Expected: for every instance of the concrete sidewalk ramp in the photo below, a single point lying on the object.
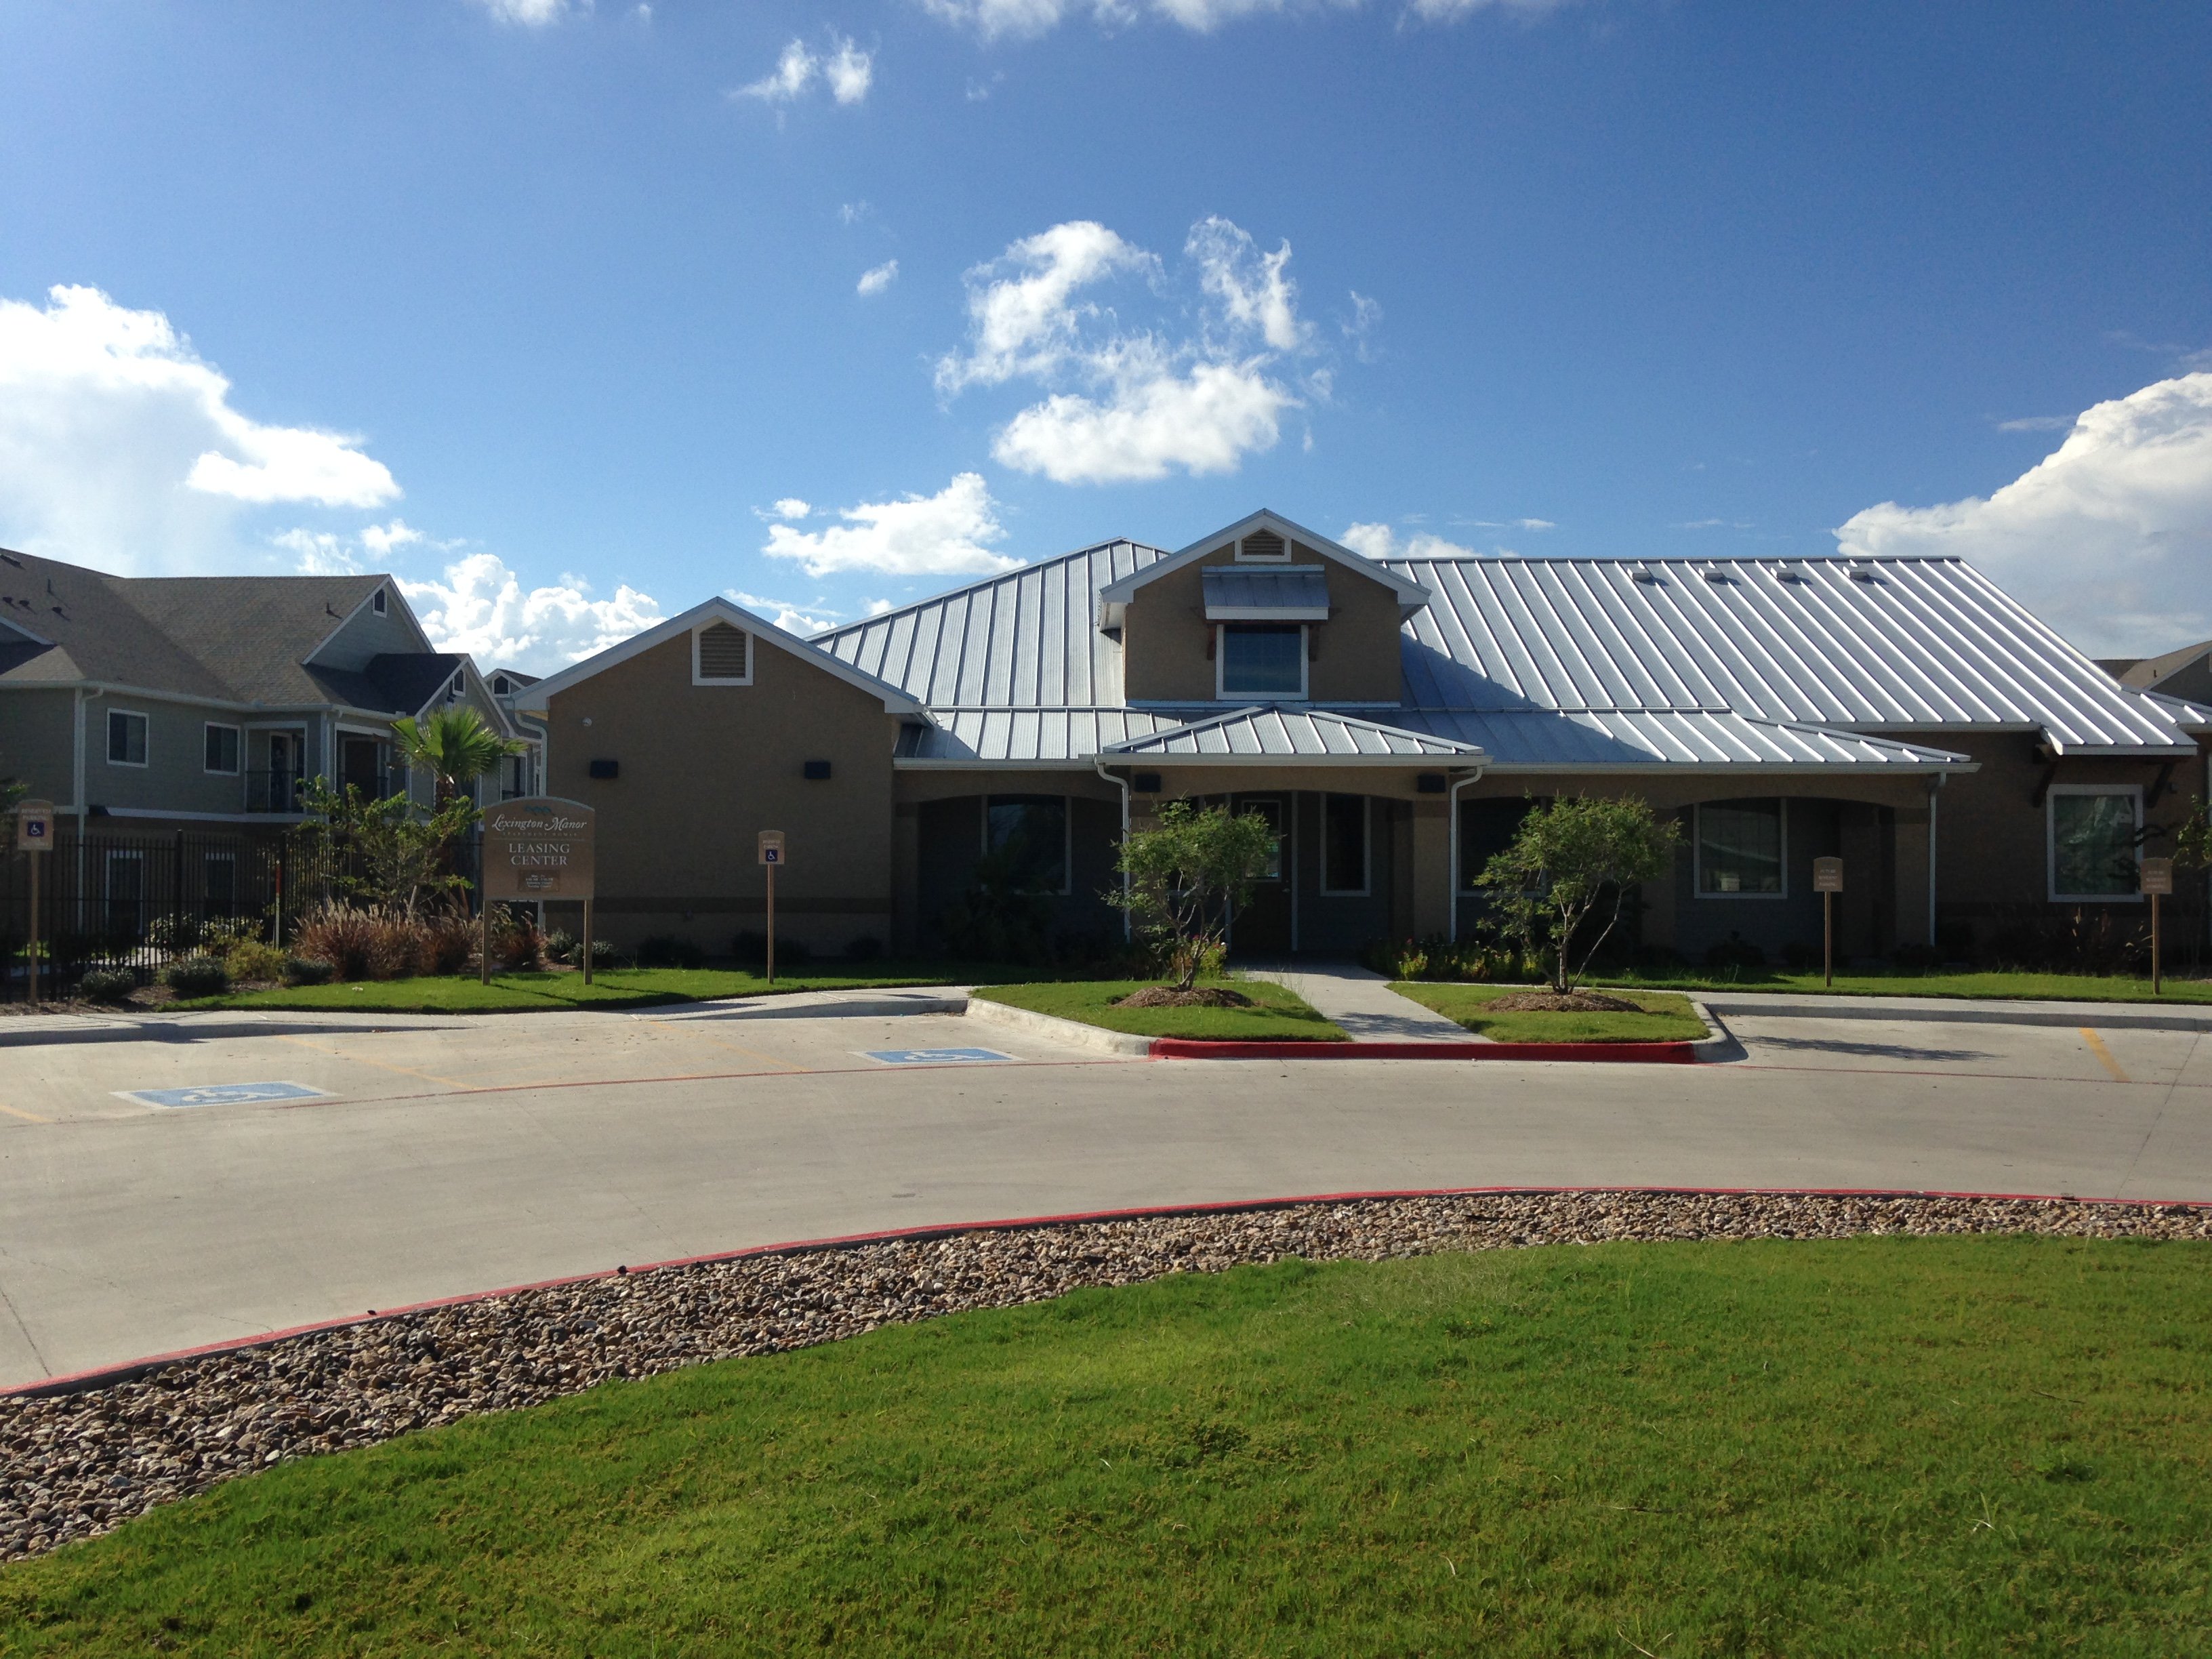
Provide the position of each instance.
(1361, 1002)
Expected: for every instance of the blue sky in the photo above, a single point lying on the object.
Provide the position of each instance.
(536, 304)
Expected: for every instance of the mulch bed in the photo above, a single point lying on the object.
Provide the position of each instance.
(1554, 1002)
(1198, 996)
(74, 1465)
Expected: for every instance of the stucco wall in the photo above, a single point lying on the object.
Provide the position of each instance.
(1351, 658)
(703, 769)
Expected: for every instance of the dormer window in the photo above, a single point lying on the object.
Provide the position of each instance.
(376, 602)
(1262, 547)
(1261, 659)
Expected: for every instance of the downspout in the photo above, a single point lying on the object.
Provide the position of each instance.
(1451, 806)
(1934, 790)
(1122, 784)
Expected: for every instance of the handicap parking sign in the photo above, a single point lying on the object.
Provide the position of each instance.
(221, 1094)
(934, 1056)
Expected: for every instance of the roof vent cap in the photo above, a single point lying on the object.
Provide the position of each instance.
(1872, 579)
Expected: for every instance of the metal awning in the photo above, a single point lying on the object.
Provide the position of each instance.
(1293, 594)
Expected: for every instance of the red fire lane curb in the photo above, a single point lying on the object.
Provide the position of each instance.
(101, 1377)
(1648, 1053)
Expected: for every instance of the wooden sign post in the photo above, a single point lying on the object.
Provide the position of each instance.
(2157, 884)
(540, 847)
(1828, 882)
(34, 835)
(771, 855)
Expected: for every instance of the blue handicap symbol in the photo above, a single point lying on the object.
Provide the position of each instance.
(934, 1056)
(221, 1094)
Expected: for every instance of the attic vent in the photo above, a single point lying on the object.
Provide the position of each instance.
(376, 604)
(1720, 579)
(1263, 545)
(1867, 576)
(721, 655)
(1794, 578)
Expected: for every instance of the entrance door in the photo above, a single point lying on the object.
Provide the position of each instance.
(1262, 927)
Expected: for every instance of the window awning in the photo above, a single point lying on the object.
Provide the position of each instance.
(1290, 593)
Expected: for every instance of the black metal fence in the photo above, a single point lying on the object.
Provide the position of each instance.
(140, 902)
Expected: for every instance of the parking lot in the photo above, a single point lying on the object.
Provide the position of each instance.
(148, 1202)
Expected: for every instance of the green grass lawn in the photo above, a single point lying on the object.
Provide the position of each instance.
(1881, 1446)
(611, 988)
(1281, 1016)
(2058, 987)
(1667, 1018)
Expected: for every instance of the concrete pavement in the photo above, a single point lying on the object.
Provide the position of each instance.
(456, 1155)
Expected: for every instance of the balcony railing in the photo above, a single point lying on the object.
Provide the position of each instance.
(273, 792)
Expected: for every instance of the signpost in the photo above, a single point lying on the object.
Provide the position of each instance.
(771, 855)
(1828, 882)
(540, 847)
(34, 835)
(2157, 884)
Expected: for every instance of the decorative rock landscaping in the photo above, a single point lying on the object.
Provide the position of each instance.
(76, 1465)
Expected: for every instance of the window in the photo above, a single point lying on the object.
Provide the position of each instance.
(1486, 828)
(1029, 833)
(1272, 812)
(1264, 547)
(1343, 844)
(514, 777)
(2094, 835)
(1262, 659)
(721, 655)
(126, 738)
(1739, 849)
(219, 884)
(222, 747)
(376, 602)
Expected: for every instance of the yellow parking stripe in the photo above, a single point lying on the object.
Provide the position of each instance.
(27, 1117)
(2097, 1047)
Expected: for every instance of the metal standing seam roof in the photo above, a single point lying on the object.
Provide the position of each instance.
(1567, 740)
(1269, 732)
(1295, 593)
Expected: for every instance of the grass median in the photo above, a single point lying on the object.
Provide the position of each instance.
(1278, 1014)
(1667, 1016)
(1885, 1445)
(611, 988)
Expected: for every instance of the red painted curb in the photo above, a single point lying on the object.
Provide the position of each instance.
(101, 1377)
(1649, 1054)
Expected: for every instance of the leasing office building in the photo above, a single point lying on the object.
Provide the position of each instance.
(1390, 719)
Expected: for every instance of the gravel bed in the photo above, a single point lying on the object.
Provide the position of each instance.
(74, 1465)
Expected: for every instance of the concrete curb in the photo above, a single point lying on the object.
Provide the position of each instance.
(106, 1375)
(1058, 1030)
(802, 1005)
(1718, 1045)
(176, 1031)
(2116, 1016)
(1617, 1054)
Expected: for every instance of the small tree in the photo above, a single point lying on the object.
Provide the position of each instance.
(1564, 861)
(455, 746)
(1188, 875)
(379, 853)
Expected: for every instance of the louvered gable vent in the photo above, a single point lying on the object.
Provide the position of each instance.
(725, 654)
(1262, 544)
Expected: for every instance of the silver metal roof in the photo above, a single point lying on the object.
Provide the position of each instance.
(1901, 644)
(1269, 732)
(1296, 593)
(1753, 662)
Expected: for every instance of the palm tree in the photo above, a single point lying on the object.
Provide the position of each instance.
(455, 746)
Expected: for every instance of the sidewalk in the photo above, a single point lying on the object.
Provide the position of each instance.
(1958, 1011)
(1363, 1003)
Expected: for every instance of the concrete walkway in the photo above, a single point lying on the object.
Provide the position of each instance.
(1361, 1002)
(1961, 1010)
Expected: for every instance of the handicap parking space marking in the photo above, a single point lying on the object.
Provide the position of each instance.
(933, 1056)
(221, 1094)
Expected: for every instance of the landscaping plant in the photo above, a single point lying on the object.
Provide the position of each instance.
(455, 746)
(1559, 890)
(1186, 876)
(197, 976)
(380, 854)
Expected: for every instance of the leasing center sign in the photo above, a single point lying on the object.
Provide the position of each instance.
(538, 847)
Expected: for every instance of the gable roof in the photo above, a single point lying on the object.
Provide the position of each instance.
(1115, 596)
(538, 696)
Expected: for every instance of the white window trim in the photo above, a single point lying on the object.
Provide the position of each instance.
(752, 649)
(137, 715)
(1366, 887)
(1066, 838)
(2050, 841)
(1697, 854)
(1284, 557)
(223, 725)
(377, 602)
(1221, 692)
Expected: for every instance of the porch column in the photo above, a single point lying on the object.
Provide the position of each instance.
(1432, 870)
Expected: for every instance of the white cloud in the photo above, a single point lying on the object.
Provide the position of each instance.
(2108, 538)
(851, 213)
(1379, 541)
(845, 70)
(380, 538)
(532, 13)
(792, 618)
(1451, 11)
(790, 507)
(481, 607)
(319, 552)
(119, 445)
(1027, 19)
(1124, 405)
(2038, 423)
(944, 534)
(877, 278)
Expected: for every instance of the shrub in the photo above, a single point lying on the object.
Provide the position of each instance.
(197, 976)
(395, 950)
(1735, 951)
(560, 946)
(339, 937)
(1913, 957)
(1475, 961)
(250, 959)
(667, 950)
(751, 950)
(446, 944)
(866, 948)
(603, 953)
(1799, 957)
(307, 970)
(107, 985)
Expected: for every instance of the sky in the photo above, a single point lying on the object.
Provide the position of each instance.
(572, 314)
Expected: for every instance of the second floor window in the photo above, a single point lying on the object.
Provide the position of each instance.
(223, 748)
(126, 738)
(1263, 659)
